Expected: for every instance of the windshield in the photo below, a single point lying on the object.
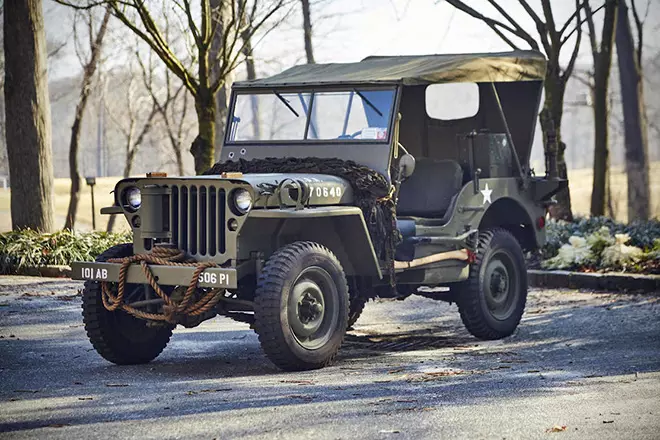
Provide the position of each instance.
(352, 115)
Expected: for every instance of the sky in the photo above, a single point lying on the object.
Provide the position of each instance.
(349, 30)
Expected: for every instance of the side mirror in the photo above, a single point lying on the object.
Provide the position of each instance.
(406, 165)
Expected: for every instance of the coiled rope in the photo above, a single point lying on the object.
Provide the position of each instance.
(173, 311)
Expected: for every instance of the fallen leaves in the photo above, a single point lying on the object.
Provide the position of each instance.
(434, 375)
(557, 428)
(216, 390)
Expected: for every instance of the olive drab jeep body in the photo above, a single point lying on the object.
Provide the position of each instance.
(335, 185)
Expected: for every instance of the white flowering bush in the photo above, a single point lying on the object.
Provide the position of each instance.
(619, 254)
(609, 246)
(576, 252)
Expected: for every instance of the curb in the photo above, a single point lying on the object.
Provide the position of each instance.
(50, 271)
(613, 281)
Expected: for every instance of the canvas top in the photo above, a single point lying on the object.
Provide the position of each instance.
(521, 65)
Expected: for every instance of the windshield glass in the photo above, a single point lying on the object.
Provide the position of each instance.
(352, 115)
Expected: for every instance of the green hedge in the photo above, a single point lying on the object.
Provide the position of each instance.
(28, 248)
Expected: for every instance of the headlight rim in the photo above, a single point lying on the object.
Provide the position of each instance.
(234, 198)
(125, 198)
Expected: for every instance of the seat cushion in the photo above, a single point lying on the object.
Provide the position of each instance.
(429, 190)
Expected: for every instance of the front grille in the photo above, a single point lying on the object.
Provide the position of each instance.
(197, 219)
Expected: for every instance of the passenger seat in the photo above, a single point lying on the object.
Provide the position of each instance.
(428, 192)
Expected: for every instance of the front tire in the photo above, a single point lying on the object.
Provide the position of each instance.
(301, 306)
(117, 336)
(491, 302)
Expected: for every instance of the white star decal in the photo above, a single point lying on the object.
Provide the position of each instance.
(487, 193)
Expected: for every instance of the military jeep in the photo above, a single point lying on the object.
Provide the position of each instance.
(335, 186)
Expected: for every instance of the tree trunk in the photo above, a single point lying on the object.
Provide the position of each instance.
(550, 118)
(602, 68)
(130, 160)
(202, 147)
(179, 160)
(251, 71)
(307, 30)
(88, 75)
(220, 17)
(634, 120)
(27, 107)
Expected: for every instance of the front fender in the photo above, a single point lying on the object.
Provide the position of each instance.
(341, 229)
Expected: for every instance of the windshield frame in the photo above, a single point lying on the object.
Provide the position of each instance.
(238, 90)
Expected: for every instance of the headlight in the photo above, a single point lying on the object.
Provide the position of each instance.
(132, 197)
(242, 200)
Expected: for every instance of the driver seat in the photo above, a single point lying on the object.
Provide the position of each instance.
(429, 191)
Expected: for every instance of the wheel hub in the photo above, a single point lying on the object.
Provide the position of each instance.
(308, 307)
(500, 286)
(499, 282)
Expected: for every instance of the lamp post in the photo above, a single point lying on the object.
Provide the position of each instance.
(91, 181)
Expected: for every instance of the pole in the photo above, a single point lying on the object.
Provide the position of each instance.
(93, 209)
(91, 181)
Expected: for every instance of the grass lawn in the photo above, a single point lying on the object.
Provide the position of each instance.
(580, 184)
(102, 197)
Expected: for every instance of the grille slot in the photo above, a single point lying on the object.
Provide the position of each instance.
(197, 219)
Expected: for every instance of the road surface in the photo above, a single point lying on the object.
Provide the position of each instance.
(581, 365)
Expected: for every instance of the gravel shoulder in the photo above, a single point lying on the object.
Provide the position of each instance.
(589, 362)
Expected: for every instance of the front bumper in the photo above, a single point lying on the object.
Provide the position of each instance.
(213, 277)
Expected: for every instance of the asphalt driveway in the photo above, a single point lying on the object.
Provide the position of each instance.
(581, 365)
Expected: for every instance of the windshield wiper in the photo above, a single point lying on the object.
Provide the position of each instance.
(284, 100)
(369, 103)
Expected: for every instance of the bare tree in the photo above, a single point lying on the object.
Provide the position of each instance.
(134, 122)
(89, 64)
(634, 111)
(602, 55)
(171, 103)
(553, 40)
(28, 124)
(204, 84)
(307, 31)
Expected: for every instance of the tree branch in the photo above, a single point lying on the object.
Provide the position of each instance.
(576, 49)
(592, 31)
(490, 22)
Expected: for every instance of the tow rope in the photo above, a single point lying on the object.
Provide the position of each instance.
(173, 311)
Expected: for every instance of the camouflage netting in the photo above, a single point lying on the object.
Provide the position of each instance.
(371, 189)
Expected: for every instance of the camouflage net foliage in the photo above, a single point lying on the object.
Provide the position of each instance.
(373, 193)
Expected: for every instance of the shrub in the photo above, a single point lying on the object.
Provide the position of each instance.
(27, 248)
(603, 244)
(642, 233)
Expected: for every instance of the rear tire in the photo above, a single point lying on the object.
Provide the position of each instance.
(117, 336)
(301, 306)
(355, 309)
(492, 301)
